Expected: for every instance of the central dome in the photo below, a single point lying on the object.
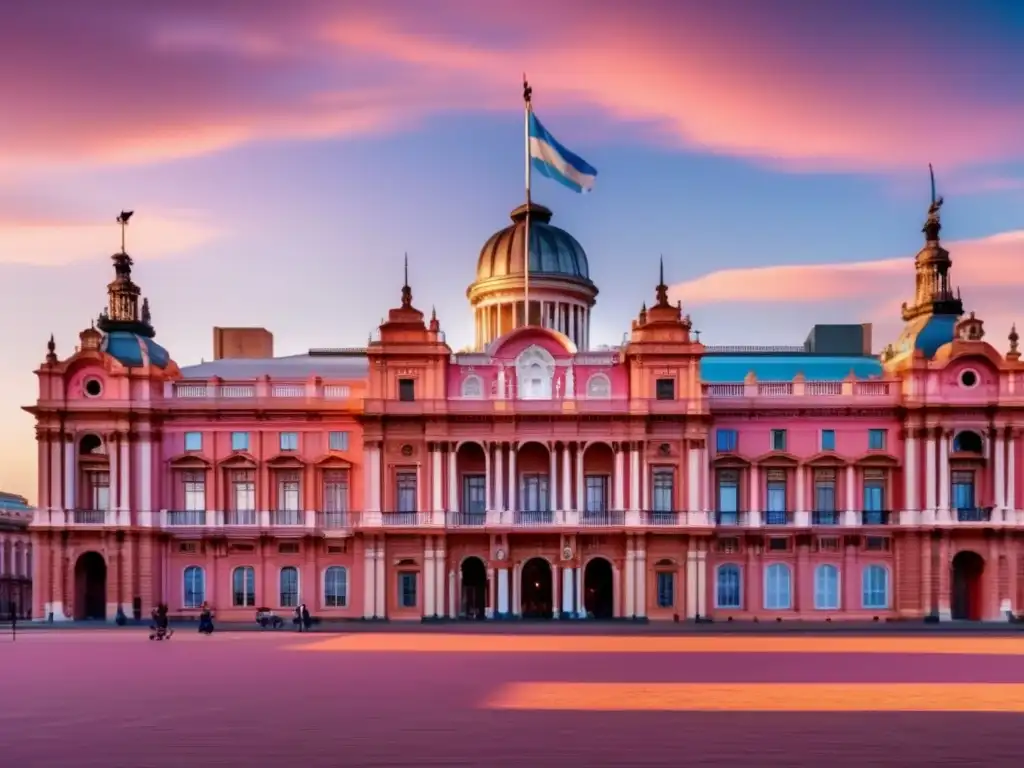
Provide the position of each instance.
(553, 251)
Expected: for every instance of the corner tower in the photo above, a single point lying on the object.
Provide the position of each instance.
(561, 292)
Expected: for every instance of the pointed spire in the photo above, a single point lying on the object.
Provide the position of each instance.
(1014, 353)
(933, 225)
(661, 292)
(406, 290)
(51, 350)
(435, 325)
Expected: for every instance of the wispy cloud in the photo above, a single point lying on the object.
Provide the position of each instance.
(122, 82)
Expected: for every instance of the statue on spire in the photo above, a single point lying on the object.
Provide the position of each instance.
(933, 225)
(123, 221)
(406, 290)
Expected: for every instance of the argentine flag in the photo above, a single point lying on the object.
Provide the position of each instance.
(556, 162)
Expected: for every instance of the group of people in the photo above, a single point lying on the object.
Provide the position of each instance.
(160, 629)
(302, 619)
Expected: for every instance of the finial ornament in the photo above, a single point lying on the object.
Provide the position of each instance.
(1014, 353)
(661, 292)
(406, 290)
(122, 219)
(527, 90)
(933, 225)
(51, 350)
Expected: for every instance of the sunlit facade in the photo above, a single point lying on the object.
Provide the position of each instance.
(531, 475)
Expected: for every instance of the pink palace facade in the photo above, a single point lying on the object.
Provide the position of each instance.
(533, 475)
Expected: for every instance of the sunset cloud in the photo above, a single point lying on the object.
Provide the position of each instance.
(836, 87)
(986, 271)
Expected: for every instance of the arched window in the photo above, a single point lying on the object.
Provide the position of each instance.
(289, 586)
(728, 591)
(472, 387)
(535, 368)
(335, 587)
(826, 588)
(875, 592)
(195, 587)
(778, 587)
(599, 387)
(243, 587)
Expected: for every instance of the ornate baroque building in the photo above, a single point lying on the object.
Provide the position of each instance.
(15, 557)
(532, 475)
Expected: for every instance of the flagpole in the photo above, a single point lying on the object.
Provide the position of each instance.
(527, 107)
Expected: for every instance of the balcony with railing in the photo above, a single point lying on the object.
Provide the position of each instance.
(474, 519)
(394, 519)
(731, 518)
(93, 517)
(974, 514)
(602, 518)
(186, 518)
(826, 517)
(776, 517)
(876, 517)
(663, 518)
(533, 518)
(334, 521)
(282, 393)
(287, 517)
(241, 517)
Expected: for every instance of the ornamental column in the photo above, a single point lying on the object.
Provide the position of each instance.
(566, 478)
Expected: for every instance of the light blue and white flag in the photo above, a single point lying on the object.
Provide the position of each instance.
(551, 159)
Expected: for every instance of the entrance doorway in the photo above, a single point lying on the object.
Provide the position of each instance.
(91, 587)
(537, 594)
(598, 590)
(966, 597)
(474, 588)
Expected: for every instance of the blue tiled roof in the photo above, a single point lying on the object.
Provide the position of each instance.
(720, 369)
(127, 348)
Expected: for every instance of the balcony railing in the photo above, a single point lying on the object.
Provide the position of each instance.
(602, 519)
(662, 517)
(404, 519)
(287, 517)
(240, 517)
(530, 518)
(826, 517)
(89, 516)
(974, 514)
(475, 519)
(876, 517)
(730, 518)
(849, 388)
(777, 517)
(249, 390)
(334, 521)
(186, 517)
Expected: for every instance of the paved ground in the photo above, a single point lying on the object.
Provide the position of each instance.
(111, 698)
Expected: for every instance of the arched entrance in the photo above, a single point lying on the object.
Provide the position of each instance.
(537, 596)
(91, 587)
(966, 597)
(474, 588)
(598, 590)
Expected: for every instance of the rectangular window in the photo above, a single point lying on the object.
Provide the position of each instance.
(239, 441)
(289, 587)
(338, 441)
(194, 486)
(665, 389)
(597, 493)
(875, 592)
(474, 494)
(243, 487)
(405, 485)
(877, 439)
(289, 441)
(407, 390)
(288, 492)
(728, 496)
(407, 589)
(99, 490)
(726, 440)
(533, 493)
(193, 441)
(666, 589)
(963, 490)
(727, 586)
(663, 484)
(874, 496)
(778, 439)
(775, 498)
(826, 588)
(828, 439)
(778, 587)
(335, 490)
(825, 490)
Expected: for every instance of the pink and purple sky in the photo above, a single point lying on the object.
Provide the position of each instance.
(282, 156)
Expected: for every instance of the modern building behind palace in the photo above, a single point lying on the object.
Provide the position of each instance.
(533, 475)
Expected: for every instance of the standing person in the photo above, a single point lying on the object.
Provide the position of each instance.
(307, 621)
(205, 619)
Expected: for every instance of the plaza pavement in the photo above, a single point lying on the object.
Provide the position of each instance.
(488, 698)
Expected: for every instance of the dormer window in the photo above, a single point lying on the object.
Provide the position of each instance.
(535, 369)
(665, 389)
(472, 388)
(407, 390)
(599, 387)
